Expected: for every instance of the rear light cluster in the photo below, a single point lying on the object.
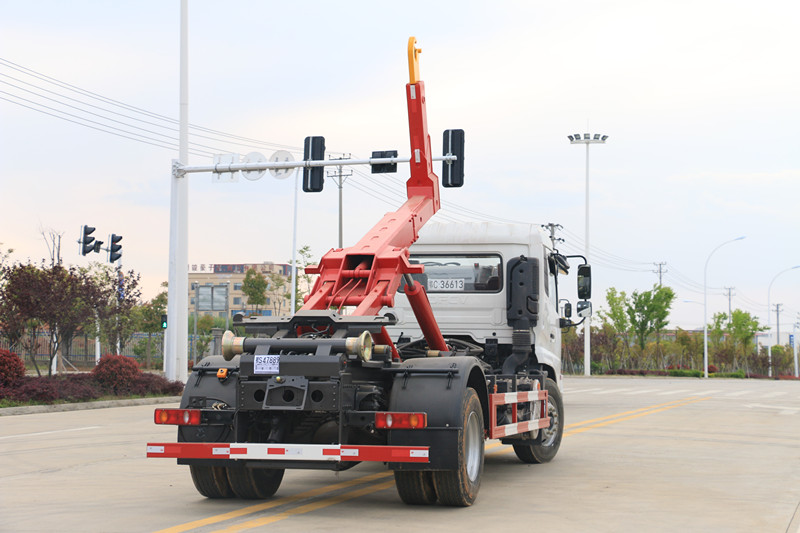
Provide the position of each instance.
(178, 417)
(401, 420)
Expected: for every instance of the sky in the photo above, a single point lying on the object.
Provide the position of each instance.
(698, 98)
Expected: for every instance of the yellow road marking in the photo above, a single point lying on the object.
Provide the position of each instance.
(274, 503)
(313, 506)
(309, 507)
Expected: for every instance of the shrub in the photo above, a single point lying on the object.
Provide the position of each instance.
(147, 383)
(712, 369)
(116, 373)
(12, 369)
(681, 373)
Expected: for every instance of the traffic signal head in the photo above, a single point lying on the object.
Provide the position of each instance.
(313, 177)
(163, 321)
(87, 242)
(114, 249)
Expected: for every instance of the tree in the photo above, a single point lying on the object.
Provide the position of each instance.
(743, 329)
(120, 296)
(150, 319)
(254, 287)
(61, 299)
(617, 316)
(304, 281)
(279, 292)
(648, 312)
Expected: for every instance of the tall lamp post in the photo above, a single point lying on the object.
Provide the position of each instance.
(705, 305)
(587, 139)
(769, 317)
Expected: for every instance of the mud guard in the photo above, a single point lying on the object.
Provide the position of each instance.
(436, 386)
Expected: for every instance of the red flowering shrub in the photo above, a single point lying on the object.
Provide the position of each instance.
(712, 369)
(116, 373)
(12, 369)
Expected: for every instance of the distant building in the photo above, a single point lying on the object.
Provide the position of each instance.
(209, 283)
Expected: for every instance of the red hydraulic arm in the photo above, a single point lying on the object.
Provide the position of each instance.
(368, 274)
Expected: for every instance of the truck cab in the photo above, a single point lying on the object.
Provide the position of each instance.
(477, 296)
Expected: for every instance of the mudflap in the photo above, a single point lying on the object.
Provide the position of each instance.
(436, 386)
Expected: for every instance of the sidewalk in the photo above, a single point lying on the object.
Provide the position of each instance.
(34, 409)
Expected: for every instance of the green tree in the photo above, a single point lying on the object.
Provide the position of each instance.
(150, 319)
(304, 280)
(117, 316)
(617, 317)
(279, 292)
(254, 287)
(743, 329)
(648, 312)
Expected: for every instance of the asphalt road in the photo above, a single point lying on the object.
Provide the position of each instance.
(639, 454)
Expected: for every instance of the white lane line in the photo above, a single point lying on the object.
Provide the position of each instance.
(735, 394)
(669, 392)
(643, 391)
(24, 435)
(611, 391)
(774, 394)
(580, 390)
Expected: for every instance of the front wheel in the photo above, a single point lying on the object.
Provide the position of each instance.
(551, 436)
(459, 487)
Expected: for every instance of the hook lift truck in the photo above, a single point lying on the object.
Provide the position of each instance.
(366, 370)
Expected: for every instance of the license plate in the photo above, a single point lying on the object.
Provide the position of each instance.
(266, 364)
(441, 284)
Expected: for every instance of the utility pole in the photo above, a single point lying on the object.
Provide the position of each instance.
(660, 270)
(339, 182)
(778, 321)
(730, 312)
(552, 229)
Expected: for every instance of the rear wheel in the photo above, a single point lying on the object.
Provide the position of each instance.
(460, 487)
(254, 483)
(551, 436)
(211, 481)
(415, 488)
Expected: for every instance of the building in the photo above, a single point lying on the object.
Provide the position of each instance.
(217, 289)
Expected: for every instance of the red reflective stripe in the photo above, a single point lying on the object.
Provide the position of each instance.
(330, 451)
(238, 451)
(276, 451)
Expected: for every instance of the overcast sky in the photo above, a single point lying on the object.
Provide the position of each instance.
(699, 99)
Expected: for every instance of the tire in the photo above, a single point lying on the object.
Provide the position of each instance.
(254, 483)
(459, 488)
(415, 488)
(551, 436)
(211, 481)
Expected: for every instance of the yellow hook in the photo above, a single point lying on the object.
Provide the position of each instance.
(413, 61)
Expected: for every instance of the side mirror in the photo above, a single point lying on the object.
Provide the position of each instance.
(584, 309)
(567, 310)
(584, 282)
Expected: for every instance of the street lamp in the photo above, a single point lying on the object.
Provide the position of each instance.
(769, 317)
(587, 139)
(705, 305)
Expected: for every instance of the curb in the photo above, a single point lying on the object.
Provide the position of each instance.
(82, 406)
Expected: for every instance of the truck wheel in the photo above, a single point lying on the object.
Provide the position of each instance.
(211, 481)
(551, 436)
(459, 487)
(254, 483)
(415, 488)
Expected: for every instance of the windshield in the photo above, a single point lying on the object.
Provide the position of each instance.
(459, 273)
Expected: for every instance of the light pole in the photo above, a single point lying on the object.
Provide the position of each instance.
(587, 139)
(705, 305)
(769, 317)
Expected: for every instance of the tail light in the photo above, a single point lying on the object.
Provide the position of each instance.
(384, 420)
(178, 417)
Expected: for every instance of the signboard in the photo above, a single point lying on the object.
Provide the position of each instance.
(210, 298)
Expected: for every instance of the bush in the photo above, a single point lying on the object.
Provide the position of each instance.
(154, 384)
(681, 373)
(116, 373)
(12, 369)
(712, 369)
